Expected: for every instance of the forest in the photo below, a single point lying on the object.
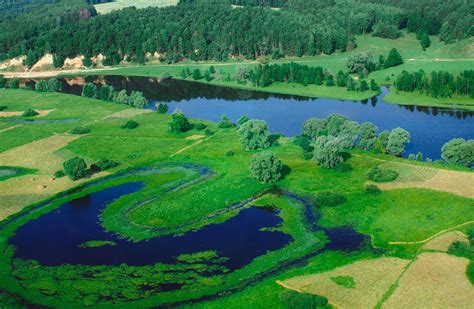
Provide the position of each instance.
(214, 30)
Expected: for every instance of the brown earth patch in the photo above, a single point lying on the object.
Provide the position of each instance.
(442, 242)
(195, 137)
(41, 113)
(434, 280)
(372, 279)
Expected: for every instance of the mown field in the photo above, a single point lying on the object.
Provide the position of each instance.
(394, 215)
(105, 8)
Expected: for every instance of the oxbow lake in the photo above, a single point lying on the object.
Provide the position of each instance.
(430, 127)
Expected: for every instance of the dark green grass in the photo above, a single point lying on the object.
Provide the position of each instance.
(7, 172)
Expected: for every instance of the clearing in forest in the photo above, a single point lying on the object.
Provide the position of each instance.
(372, 278)
(105, 8)
(434, 280)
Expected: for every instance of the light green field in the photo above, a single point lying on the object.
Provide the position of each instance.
(105, 8)
(393, 215)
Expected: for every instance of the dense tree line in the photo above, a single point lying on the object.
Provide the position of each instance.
(209, 30)
(23, 21)
(451, 20)
(438, 84)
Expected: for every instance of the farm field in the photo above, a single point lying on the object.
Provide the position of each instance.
(105, 8)
(201, 200)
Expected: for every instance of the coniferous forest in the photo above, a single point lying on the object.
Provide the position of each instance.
(210, 29)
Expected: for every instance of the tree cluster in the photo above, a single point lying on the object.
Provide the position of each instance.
(50, 85)
(107, 93)
(439, 84)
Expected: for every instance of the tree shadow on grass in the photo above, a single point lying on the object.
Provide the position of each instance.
(343, 167)
(285, 171)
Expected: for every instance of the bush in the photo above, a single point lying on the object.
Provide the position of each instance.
(230, 153)
(59, 174)
(380, 174)
(266, 167)
(130, 125)
(75, 168)
(225, 123)
(200, 126)
(372, 189)
(14, 83)
(208, 131)
(328, 198)
(40, 86)
(80, 130)
(103, 165)
(3, 107)
(162, 108)
(458, 151)
(292, 299)
(30, 113)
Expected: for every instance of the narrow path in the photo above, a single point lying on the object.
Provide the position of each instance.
(192, 145)
(10, 128)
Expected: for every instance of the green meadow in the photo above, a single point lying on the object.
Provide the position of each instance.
(397, 215)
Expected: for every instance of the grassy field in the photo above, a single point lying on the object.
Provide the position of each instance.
(105, 8)
(403, 214)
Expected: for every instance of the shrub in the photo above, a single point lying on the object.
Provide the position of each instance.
(380, 174)
(162, 108)
(200, 126)
(230, 153)
(208, 131)
(266, 167)
(75, 168)
(292, 299)
(40, 86)
(103, 165)
(243, 120)
(14, 83)
(461, 248)
(3, 107)
(225, 123)
(372, 189)
(89, 90)
(53, 85)
(130, 125)
(328, 198)
(59, 174)
(30, 113)
(80, 130)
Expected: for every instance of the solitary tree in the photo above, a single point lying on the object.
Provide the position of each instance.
(162, 108)
(53, 85)
(75, 168)
(254, 134)
(197, 74)
(458, 151)
(40, 86)
(327, 151)
(179, 123)
(394, 58)
(106, 93)
(397, 140)
(225, 123)
(266, 167)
